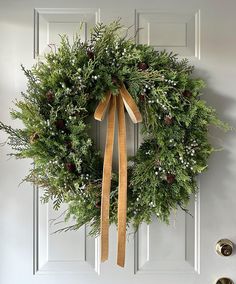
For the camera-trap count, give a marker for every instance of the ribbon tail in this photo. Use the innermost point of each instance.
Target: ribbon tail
(106, 180)
(122, 193)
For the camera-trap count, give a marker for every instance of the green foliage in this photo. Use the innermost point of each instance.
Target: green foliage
(63, 91)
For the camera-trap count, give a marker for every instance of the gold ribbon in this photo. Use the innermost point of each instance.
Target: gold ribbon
(112, 102)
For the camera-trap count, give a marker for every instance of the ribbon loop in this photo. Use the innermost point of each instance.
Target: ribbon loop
(110, 102)
(130, 105)
(102, 107)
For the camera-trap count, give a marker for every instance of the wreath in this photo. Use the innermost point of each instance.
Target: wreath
(63, 93)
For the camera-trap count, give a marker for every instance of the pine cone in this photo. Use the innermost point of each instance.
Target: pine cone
(187, 94)
(60, 124)
(70, 167)
(168, 120)
(142, 66)
(50, 97)
(170, 178)
(90, 54)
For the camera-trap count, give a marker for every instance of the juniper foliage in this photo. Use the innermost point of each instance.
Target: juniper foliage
(63, 91)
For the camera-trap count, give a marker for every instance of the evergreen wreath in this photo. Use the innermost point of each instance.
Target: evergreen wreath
(63, 92)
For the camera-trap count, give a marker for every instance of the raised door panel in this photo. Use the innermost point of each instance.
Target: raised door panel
(55, 250)
(175, 248)
(59, 251)
(174, 32)
(50, 23)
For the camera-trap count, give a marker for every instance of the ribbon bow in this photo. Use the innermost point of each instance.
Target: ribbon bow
(113, 102)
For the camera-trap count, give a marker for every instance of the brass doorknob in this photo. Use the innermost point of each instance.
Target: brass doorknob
(224, 247)
(224, 281)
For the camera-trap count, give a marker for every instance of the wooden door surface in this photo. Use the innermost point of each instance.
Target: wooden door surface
(184, 251)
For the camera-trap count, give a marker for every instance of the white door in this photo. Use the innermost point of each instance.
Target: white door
(184, 252)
